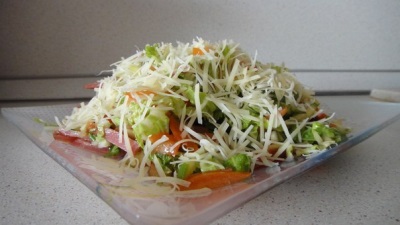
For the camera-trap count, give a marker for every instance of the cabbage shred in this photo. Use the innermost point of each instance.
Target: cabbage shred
(237, 111)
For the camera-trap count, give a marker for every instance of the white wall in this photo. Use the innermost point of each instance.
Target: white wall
(331, 45)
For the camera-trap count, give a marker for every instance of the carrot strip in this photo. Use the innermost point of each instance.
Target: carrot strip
(165, 147)
(140, 93)
(198, 51)
(215, 179)
(174, 126)
(154, 137)
(177, 133)
(283, 112)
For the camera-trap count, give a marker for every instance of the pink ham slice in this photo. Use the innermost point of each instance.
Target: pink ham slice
(92, 85)
(73, 138)
(112, 136)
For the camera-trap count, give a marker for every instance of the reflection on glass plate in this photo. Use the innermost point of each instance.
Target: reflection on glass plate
(112, 183)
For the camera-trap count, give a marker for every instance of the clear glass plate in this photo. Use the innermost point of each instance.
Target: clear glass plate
(362, 114)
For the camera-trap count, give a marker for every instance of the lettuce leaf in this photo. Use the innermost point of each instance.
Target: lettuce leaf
(155, 122)
(209, 107)
(240, 162)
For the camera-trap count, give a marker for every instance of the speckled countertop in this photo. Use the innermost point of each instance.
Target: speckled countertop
(359, 186)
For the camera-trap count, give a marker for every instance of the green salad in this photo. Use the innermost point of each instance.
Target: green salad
(190, 114)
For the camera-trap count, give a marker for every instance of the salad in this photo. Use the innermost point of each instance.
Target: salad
(200, 115)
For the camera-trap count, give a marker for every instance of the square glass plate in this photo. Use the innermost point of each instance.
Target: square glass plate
(362, 114)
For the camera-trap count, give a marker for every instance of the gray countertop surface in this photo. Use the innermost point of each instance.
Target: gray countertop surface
(358, 186)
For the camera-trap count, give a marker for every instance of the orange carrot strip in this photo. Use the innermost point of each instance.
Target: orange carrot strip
(174, 126)
(198, 51)
(165, 147)
(154, 137)
(139, 93)
(177, 133)
(283, 112)
(215, 179)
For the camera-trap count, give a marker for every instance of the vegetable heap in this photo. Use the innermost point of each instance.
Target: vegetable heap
(200, 115)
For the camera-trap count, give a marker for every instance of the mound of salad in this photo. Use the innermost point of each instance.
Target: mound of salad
(200, 115)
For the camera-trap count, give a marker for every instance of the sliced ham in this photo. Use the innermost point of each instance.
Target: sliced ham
(112, 136)
(73, 138)
(92, 85)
